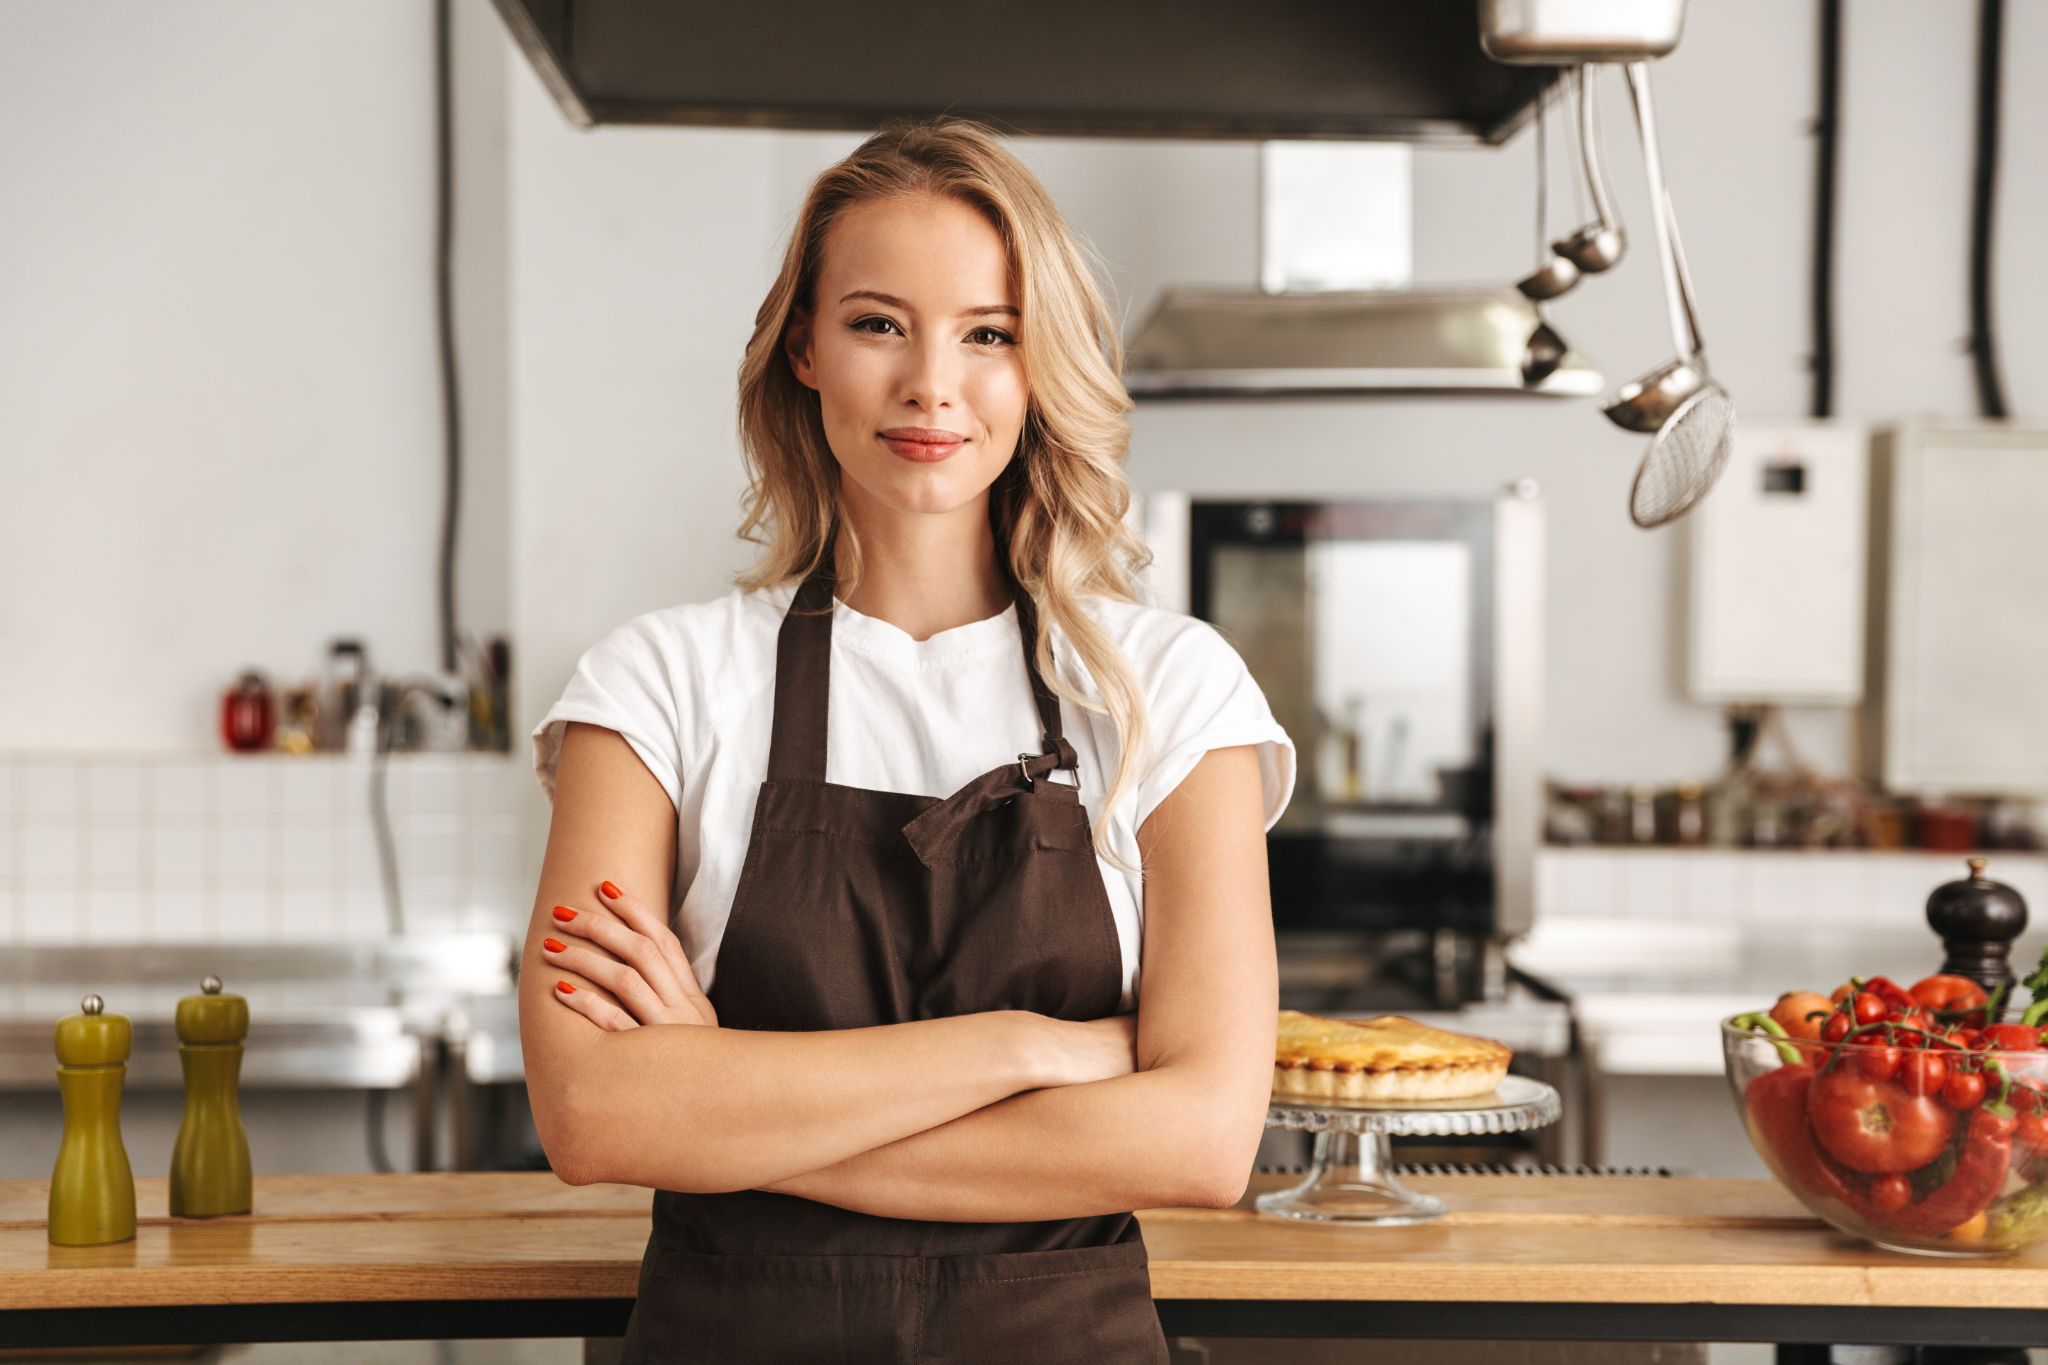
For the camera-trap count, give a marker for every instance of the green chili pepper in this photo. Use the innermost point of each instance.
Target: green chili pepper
(1775, 1029)
(1999, 1105)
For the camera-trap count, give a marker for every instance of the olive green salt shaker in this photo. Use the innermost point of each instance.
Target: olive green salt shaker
(92, 1189)
(210, 1161)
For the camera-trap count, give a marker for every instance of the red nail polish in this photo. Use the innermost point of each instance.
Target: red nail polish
(611, 890)
(564, 913)
(552, 946)
(565, 988)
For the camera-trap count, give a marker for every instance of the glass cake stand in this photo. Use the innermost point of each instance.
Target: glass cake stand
(1351, 1176)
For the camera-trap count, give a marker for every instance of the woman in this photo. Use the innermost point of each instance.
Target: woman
(915, 1102)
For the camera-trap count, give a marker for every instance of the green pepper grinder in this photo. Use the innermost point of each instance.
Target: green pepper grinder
(92, 1189)
(210, 1162)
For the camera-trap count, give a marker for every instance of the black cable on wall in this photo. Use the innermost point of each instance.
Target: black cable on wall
(451, 390)
(1983, 187)
(1827, 128)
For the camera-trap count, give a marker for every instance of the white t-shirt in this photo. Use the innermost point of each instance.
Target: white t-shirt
(692, 690)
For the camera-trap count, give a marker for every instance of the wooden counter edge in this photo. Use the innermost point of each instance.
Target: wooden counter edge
(1508, 1240)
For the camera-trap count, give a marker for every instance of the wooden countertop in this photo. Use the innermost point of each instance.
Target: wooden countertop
(520, 1235)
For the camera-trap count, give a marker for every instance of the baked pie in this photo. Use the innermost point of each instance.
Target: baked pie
(1387, 1058)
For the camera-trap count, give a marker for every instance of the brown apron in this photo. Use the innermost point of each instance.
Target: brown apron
(856, 908)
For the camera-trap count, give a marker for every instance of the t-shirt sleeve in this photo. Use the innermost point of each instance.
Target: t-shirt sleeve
(1202, 698)
(632, 681)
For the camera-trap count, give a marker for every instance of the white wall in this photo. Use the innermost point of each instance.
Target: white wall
(219, 410)
(220, 427)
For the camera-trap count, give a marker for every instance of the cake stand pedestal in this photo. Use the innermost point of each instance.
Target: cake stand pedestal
(1351, 1177)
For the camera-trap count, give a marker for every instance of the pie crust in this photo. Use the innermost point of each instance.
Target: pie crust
(1390, 1057)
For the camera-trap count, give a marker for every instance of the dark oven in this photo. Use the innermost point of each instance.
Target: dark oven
(1399, 641)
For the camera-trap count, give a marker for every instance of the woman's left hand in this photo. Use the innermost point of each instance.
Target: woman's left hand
(632, 953)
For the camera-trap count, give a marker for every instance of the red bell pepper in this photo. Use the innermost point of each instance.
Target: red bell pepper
(1889, 991)
(1776, 1103)
(1949, 994)
(1980, 1171)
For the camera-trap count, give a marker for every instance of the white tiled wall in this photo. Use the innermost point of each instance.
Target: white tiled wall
(254, 848)
(1767, 886)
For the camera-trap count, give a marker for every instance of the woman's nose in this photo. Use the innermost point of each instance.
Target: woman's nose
(933, 378)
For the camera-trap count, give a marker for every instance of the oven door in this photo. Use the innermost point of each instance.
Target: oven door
(1394, 641)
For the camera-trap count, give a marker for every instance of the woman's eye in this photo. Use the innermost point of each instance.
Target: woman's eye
(1001, 338)
(862, 325)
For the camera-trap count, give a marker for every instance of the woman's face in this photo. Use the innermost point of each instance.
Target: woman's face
(913, 350)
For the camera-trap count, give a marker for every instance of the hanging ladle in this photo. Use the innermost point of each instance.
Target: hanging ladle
(1545, 350)
(1554, 274)
(1600, 244)
(1644, 404)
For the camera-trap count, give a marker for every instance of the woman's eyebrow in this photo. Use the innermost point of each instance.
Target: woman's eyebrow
(895, 302)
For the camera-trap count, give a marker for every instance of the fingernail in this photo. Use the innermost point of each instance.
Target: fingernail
(552, 946)
(565, 988)
(564, 913)
(611, 891)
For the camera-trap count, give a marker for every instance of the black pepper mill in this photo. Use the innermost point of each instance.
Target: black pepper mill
(1978, 919)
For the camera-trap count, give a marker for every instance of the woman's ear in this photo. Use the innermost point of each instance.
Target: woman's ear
(796, 346)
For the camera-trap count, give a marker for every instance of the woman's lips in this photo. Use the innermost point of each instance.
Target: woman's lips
(923, 452)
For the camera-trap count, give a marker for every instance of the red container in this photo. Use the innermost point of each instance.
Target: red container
(248, 716)
(1947, 829)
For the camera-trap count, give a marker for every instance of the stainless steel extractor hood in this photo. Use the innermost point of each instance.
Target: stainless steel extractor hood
(1212, 342)
(1399, 70)
(1373, 71)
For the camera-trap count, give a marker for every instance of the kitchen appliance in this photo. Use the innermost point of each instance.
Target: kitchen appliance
(1777, 570)
(1959, 570)
(1399, 642)
(1555, 32)
(1206, 341)
(1388, 69)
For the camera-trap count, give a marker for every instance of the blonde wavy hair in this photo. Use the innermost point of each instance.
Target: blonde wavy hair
(1058, 508)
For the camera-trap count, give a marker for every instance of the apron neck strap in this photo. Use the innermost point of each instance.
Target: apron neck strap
(803, 674)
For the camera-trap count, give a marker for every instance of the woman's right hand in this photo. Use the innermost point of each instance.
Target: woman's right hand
(634, 955)
(1078, 1051)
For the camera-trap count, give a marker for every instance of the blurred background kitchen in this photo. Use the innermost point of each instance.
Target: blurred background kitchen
(278, 614)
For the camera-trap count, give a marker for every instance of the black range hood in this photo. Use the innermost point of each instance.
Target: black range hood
(1396, 70)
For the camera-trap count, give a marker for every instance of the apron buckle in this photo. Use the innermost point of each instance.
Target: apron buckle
(1022, 759)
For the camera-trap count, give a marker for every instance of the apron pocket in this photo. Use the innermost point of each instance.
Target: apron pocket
(1073, 1306)
(711, 1308)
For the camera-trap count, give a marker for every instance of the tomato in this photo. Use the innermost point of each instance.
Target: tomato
(1836, 1027)
(2013, 1037)
(1890, 1193)
(1969, 1038)
(1924, 1073)
(1792, 1010)
(1952, 993)
(1868, 1008)
(1876, 1126)
(2033, 1131)
(1878, 1061)
(1963, 1090)
(1843, 992)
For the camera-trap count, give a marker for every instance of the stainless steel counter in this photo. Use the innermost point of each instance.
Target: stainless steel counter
(1650, 994)
(323, 1016)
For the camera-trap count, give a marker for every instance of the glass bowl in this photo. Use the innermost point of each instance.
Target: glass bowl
(1871, 1137)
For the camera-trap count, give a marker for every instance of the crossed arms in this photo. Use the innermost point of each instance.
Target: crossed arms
(1000, 1116)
